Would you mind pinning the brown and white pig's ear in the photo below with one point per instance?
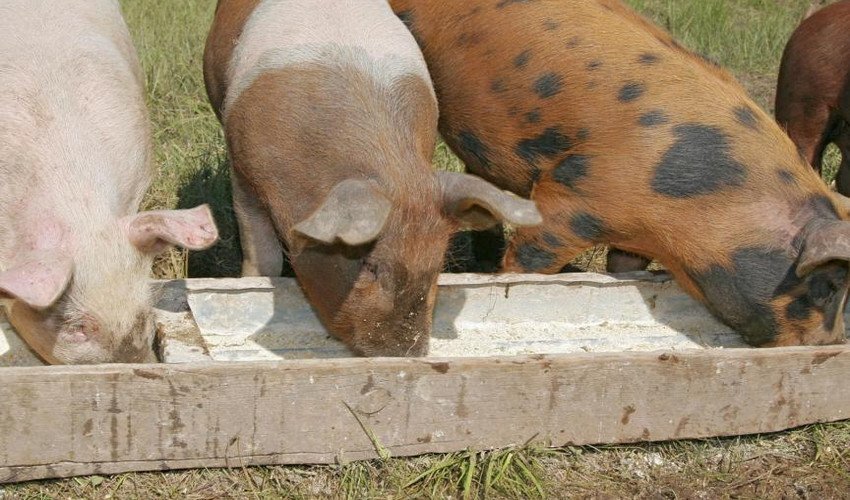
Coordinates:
(354, 213)
(828, 240)
(153, 232)
(37, 280)
(477, 204)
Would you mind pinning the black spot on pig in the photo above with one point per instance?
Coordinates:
(798, 309)
(522, 59)
(631, 91)
(587, 226)
(548, 144)
(648, 58)
(594, 65)
(573, 42)
(583, 134)
(552, 240)
(498, 86)
(653, 118)
(472, 146)
(746, 117)
(534, 258)
(548, 85)
(786, 177)
(740, 295)
(551, 25)
(570, 170)
(827, 289)
(821, 207)
(699, 162)
(505, 3)
(469, 39)
(823, 291)
(533, 116)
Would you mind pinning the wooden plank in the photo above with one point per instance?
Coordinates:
(62, 421)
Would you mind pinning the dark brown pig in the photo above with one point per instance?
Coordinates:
(623, 137)
(331, 121)
(813, 92)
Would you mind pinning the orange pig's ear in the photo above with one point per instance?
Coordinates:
(825, 241)
(477, 204)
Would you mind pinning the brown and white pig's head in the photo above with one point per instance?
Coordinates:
(85, 298)
(369, 259)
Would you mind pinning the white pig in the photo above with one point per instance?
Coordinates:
(75, 161)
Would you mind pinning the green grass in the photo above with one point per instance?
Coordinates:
(814, 462)
(190, 152)
(744, 35)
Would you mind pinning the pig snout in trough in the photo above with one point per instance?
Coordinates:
(330, 120)
(623, 137)
(75, 159)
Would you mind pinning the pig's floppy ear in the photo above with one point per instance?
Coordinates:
(477, 204)
(826, 241)
(354, 212)
(37, 280)
(153, 232)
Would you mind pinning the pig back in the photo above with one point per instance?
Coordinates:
(74, 130)
(316, 95)
(279, 33)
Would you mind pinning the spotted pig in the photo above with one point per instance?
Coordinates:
(623, 137)
(75, 161)
(813, 92)
(331, 119)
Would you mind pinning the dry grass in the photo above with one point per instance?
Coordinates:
(812, 462)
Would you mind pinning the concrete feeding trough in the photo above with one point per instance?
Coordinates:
(250, 377)
(262, 319)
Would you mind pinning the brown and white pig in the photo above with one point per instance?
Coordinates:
(75, 160)
(330, 120)
(623, 137)
(813, 92)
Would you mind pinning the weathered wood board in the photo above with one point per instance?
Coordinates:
(196, 412)
(62, 421)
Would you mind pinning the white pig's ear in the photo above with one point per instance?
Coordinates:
(153, 232)
(38, 279)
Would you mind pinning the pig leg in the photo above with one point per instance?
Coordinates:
(621, 261)
(809, 125)
(842, 180)
(262, 253)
